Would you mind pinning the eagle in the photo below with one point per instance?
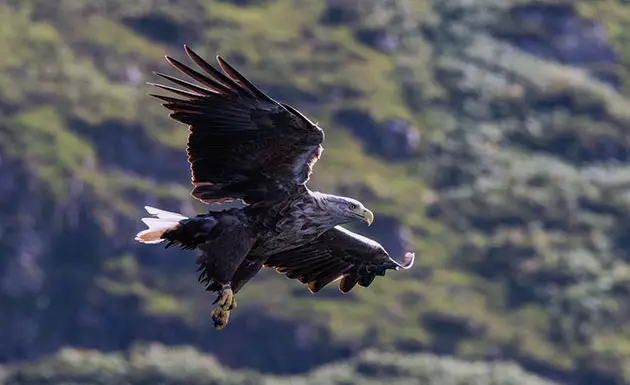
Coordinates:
(243, 145)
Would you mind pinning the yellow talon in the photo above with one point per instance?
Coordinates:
(227, 301)
(220, 318)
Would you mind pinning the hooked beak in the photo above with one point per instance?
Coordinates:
(368, 216)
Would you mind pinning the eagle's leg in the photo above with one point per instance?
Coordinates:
(222, 253)
(226, 301)
(226, 298)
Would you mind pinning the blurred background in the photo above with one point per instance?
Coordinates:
(491, 136)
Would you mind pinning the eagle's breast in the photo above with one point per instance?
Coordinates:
(298, 222)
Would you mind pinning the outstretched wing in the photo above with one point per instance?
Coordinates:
(337, 254)
(241, 144)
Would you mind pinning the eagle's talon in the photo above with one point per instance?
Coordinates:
(220, 318)
(226, 298)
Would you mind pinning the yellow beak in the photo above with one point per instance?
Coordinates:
(368, 216)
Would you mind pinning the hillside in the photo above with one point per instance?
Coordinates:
(490, 136)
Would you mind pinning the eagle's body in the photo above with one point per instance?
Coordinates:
(244, 145)
(294, 221)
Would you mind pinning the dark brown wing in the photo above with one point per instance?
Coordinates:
(337, 254)
(242, 144)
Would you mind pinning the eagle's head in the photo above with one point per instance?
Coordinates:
(345, 210)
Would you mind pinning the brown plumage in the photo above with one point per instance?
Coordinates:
(244, 145)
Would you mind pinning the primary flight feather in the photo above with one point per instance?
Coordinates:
(244, 145)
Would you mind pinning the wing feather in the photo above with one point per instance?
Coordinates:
(176, 91)
(234, 74)
(212, 84)
(193, 87)
(338, 254)
(210, 69)
(348, 282)
(241, 144)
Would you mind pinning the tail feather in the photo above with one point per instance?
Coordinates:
(163, 214)
(164, 222)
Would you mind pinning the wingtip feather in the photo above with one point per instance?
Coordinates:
(169, 60)
(348, 282)
(407, 261)
(189, 51)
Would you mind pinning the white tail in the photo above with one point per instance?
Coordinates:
(165, 221)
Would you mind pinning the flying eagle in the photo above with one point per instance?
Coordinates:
(244, 145)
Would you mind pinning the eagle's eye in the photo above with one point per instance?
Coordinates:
(352, 206)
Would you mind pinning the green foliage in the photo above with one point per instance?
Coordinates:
(54, 154)
(517, 202)
(155, 364)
